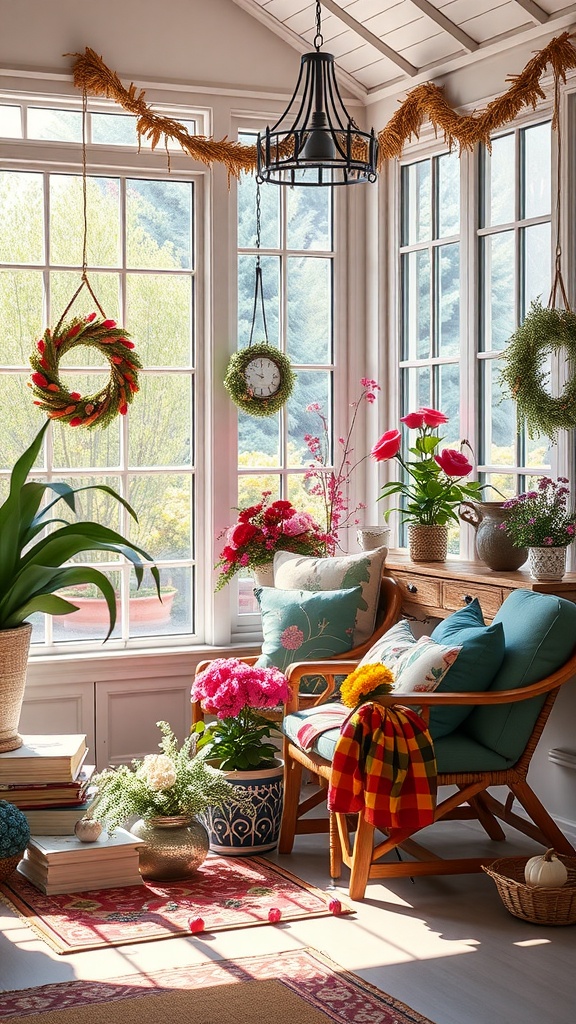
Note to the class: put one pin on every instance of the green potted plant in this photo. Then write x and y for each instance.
(239, 742)
(35, 554)
(166, 791)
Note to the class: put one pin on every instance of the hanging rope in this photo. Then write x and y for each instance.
(258, 286)
(425, 102)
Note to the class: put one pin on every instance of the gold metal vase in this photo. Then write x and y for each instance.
(175, 847)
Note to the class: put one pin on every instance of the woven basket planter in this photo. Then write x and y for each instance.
(535, 903)
(427, 543)
(14, 647)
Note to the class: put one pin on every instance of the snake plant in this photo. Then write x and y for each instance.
(31, 571)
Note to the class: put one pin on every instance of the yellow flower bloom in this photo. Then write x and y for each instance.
(365, 683)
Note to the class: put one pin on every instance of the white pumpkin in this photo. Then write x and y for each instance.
(546, 870)
(87, 830)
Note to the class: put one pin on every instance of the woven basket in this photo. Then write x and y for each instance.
(8, 865)
(427, 543)
(14, 647)
(538, 904)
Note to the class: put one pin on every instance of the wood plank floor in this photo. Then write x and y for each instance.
(445, 945)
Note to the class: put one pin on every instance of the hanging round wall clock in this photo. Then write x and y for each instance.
(259, 378)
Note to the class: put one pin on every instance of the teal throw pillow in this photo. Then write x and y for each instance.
(300, 625)
(482, 653)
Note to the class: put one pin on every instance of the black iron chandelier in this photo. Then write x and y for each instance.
(316, 141)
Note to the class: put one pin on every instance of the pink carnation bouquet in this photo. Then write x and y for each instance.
(433, 484)
(236, 693)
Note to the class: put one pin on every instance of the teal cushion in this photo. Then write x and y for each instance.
(299, 625)
(455, 753)
(478, 662)
(539, 633)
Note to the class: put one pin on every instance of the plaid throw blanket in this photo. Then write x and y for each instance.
(326, 716)
(384, 766)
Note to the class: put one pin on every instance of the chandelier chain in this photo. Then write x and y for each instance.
(318, 38)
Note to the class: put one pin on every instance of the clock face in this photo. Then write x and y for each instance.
(262, 377)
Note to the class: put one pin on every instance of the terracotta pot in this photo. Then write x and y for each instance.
(93, 611)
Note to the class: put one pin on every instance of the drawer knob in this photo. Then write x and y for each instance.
(467, 598)
(411, 588)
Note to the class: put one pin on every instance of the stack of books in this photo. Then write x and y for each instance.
(62, 864)
(48, 779)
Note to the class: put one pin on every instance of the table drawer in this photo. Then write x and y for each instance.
(419, 590)
(458, 593)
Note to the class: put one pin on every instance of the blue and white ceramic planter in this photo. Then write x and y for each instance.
(232, 833)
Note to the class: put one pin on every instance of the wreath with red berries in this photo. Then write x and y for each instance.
(69, 406)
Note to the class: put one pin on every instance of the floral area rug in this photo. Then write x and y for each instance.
(296, 987)
(225, 893)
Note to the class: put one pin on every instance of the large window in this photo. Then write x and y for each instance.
(297, 260)
(142, 264)
(468, 273)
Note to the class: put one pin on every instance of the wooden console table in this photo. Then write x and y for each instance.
(436, 589)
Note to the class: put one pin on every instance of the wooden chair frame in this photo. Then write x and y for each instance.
(472, 799)
(387, 614)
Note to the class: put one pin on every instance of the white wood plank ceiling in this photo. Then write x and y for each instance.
(385, 45)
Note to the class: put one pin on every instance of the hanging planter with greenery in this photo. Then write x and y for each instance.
(544, 332)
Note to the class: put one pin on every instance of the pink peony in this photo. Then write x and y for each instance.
(292, 638)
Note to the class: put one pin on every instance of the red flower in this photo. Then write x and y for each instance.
(413, 420)
(44, 362)
(39, 380)
(75, 422)
(108, 324)
(453, 462)
(90, 318)
(75, 395)
(123, 409)
(248, 513)
(242, 534)
(388, 446)
(124, 341)
(432, 417)
(41, 345)
(229, 554)
(73, 331)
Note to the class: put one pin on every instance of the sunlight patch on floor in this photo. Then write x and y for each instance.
(532, 942)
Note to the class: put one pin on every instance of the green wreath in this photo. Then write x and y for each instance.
(238, 389)
(69, 406)
(544, 331)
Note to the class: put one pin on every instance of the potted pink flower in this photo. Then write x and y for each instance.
(239, 742)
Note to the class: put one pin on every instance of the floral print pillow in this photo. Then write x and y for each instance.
(299, 625)
(418, 665)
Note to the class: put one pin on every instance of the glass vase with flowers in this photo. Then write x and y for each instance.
(542, 521)
(239, 742)
(433, 484)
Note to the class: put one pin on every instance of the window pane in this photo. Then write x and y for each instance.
(309, 331)
(160, 421)
(173, 615)
(448, 301)
(82, 449)
(21, 217)
(10, 121)
(94, 506)
(158, 224)
(500, 181)
(311, 388)
(499, 299)
(448, 195)
(271, 290)
(258, 441)
(537, 249)
(250, 490)
(538, 452)
(503, 485)
(269, 211)
(416, 286)
(22, 311)
(499, 418)
(17, 431)
(91, 620)
(55, 125)
(449, 403)
(114, 129)
(106, 287)
(537, 155)
(159, 318)
(416, 389)
(416, 204)
(67, 220)
(309, 218)
(163, 504)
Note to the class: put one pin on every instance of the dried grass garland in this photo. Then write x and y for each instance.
(425, 102)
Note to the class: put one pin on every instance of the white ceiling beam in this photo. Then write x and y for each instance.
(535, 12)
(446, 25)
(374, 40)
(298, 43)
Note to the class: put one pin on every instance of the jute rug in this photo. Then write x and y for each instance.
(296, 987)
(225, 893)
